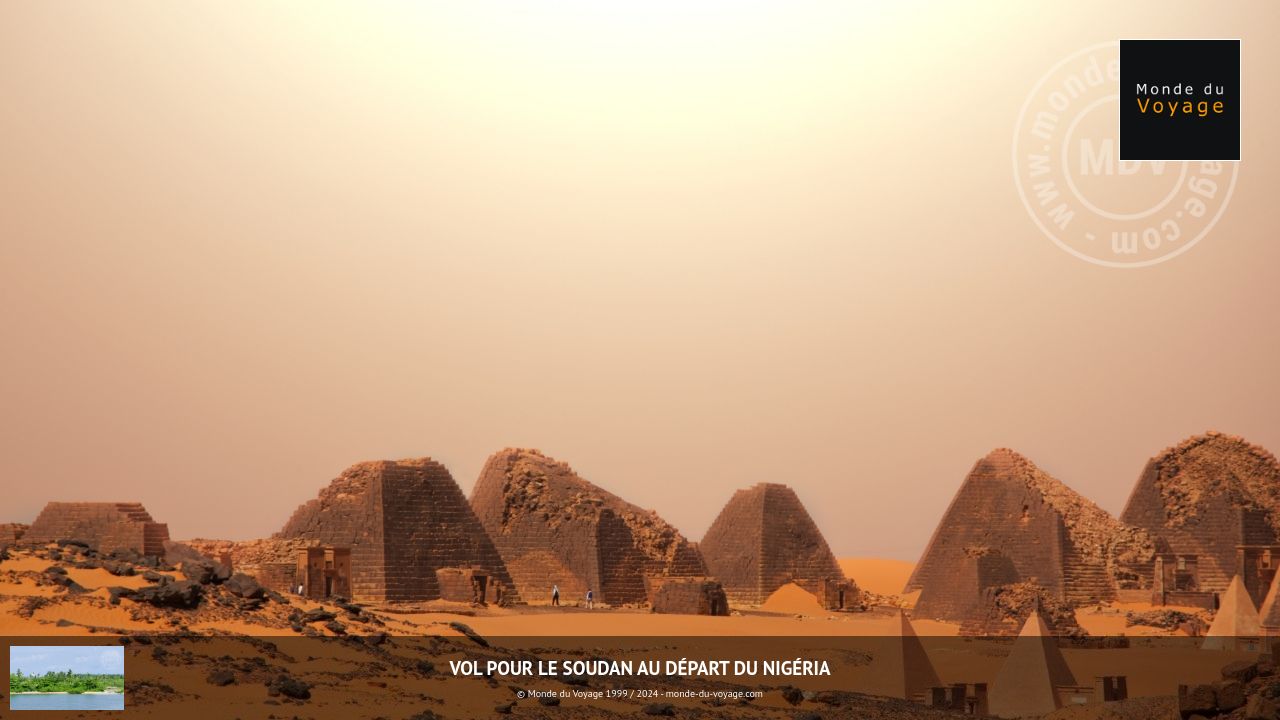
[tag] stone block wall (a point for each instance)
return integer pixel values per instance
(689, 596)
(458, 585)
(11, 533)
(107, 527)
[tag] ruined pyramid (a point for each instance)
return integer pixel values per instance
(403, 520)
(764, 539)
(552, 527)
(1028, 682)
(1204, 497)
(1010, 522)
(1236, 624)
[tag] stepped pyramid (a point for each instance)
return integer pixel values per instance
(552, 527)
(1010, 522)
(403, 520)
(1204, 497)
(1236, 620)
(1028, 681)
(106, 526)
(764, 539)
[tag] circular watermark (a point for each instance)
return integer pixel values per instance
(1099, 208)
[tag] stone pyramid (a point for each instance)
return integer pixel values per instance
(1027, 683)
(552, 527)
(106, 526)
(1236, 621)
(1204, 497)
(1269, 613)
(1011, 522)
(909, 670)
(764, 539)
(403, 520)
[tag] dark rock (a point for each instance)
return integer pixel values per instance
(336, 627)
(316, 615)
(155, 577)
(1242, 670)
(504, 708)
(289, 687)
(119, 569)
(183, 594)
(471, 634)
(1261, 708)
(792, 694)
(221, 678)
(348, 606)
(548, 700)
(826, 697)
(74, 542)
(1198, 699)
(244, 586)
(666, 709)
(205, 572)
(1229, 695)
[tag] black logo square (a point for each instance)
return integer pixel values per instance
(1179, 99)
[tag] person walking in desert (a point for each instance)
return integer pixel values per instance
(591, 598)
(555, 595)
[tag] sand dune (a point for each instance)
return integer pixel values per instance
(878, 575)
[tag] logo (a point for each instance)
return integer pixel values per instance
(1180, 100)
(1083, 196)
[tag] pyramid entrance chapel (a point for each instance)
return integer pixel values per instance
(764, 539)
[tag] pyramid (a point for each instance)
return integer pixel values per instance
(1011, 522)
(1026, 684)
(764, 539)
(403, 520)
(1204, 497)
(1236, 620)
(106, 526)
(907, 666)
(1269, 613)
(552, 527)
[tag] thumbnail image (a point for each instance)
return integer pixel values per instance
(66, 677)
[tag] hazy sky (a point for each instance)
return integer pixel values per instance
(88, 659)
(684, 246)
